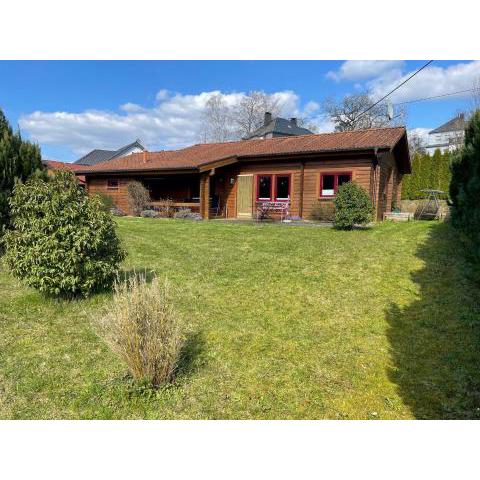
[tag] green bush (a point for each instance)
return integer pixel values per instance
(106, 201)
(465, 190)
(19, 159)
(61, 242)
(352, 207)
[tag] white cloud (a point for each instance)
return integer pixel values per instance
(311, 107)
(174, 121)
(380, 77)
(433, 80)
(420, 132)
(323, 124)
(364, 69)
(162, 94)
(131, 107)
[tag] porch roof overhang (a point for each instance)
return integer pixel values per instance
(230, 160)
(141, 171)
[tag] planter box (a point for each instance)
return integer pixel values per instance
(398, 217)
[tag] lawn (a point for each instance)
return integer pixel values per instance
(286, 323)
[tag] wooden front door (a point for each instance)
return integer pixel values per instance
(244, 196)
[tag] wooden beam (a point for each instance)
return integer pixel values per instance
(219, 163)
(302, 181)
(205, 195)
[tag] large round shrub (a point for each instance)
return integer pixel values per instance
(62, 242)
(352, 206)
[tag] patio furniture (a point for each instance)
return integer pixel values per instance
(430, 208)
(266, 209)
(176, 205)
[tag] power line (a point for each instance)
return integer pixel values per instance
(396, 88)
(436, 96)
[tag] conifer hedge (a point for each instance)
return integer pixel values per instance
(19, 159)
(428, 172)
(465, 190)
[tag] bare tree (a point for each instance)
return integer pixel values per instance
(248, 115)
(356, 112)
(305, 122)
(217, 120)
(416, 144)
(222, 122)
(475, 97)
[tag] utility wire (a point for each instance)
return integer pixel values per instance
(396, 88)
(436, 96)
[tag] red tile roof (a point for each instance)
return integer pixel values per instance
(56, 165)
(203, 154)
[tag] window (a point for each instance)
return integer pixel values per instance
(343, 178)
(112, 184)
(273, 188)
(329, 183)
(264, 191)
(282, 187)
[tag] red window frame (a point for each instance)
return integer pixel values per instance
(113, 187)
(264, 199)
(282, 175)
(273, 187)
(335, 182)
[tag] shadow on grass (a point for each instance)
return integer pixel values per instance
(435, 341)
(191, 358)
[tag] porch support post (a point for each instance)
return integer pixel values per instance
(205, 195)
(302, 183)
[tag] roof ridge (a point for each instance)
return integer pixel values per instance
(293, 136)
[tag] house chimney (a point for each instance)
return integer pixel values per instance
(293, 121)
(144, 154)
(267, 118)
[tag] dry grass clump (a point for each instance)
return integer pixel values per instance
(142, 327)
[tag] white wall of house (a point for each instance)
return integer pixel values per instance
(444, 141)
(132, 150)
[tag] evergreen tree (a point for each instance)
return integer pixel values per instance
(427, 172)
(434, 170)
(19, 159)
(465, 188)
(444, 172)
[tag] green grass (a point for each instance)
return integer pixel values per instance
(287, 323)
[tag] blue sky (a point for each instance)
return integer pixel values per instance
(71, 107)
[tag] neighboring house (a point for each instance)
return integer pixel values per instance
(447, 136)
(53, 165)
(237, 178)
(98, 156)
(277, 127)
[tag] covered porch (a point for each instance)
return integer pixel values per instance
(202, 193)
